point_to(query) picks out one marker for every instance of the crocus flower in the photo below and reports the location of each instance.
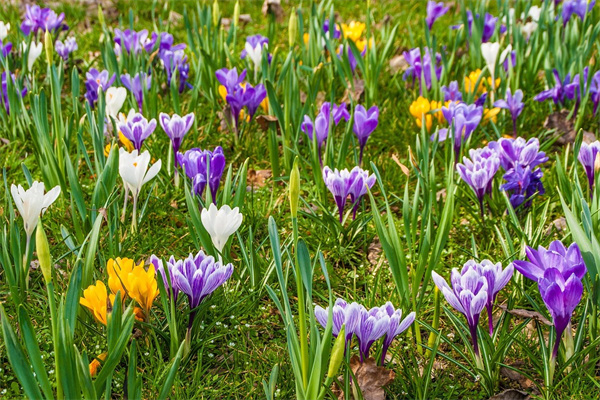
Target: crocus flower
(221, 223)
(94, 81)
(344, 314)
(562, 91)
(44, 19)
(160, 268)
(137, 85)
(354, 30)
(320, 127)
(230, 79)
(588, 157)
(5, 48)
(373, 325)
(143, 287)
(479, 171)
(130, 40)
(452, 92)
(424, 110)
(558, 272)
(32, 203)
(176, 128)
(115, 97)
(496, 278)
(4, 28)
(489, 25)
(253, 97)
(577, 7)
(463, 120)
(4, 94)
(396, 326)
(523, 183)
(96, 299)
(66, 48)
(176, 62)
(253, 49)
(33, 52)
(203, 167)
(595, 91)
(345, 183)
(434, 11)
(514, 104)
(420, 66)
(327, 30)
(490, 51)
(510, 61)
(519, 151)
(198, 277)
(133, 168)
(468, 295)
(365, 123)
(119, 270)
(137, 129)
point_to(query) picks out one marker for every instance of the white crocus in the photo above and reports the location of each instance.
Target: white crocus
(134, 171)
(490, 51)
(255, 54)
(32, 203)
(115, 97)
(535, 12)
(221, 224)
(4, 28)
(35, 50)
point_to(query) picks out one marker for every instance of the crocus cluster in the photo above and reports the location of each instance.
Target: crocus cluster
(239, 95)
(428, 111)
(203, 167)
(44, 19)
(64, 49)
(129, 40)
(367, 325)
(346, 183)
(588, 157)
(320, 126)
(195, 276)
(478, 171)
(520, 160)
(172, 57)
(558, 272)
(420, 66)
(474, 288)
(137, 85)
(96, 80)
(463, 119)
(452, 92)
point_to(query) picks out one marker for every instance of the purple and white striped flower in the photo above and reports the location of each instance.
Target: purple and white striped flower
(479, 172)
(137, 129)
(365, 122)
(588, 157)
(137, 85)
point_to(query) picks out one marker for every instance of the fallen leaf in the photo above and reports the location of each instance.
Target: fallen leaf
(371, 378)
(403, 167)
(258, 178)
(513, 375)
(527, 314)
(398, 64)
(511, 394)
(354, 91)
(265, 120)
(273, 7)
(374, 251)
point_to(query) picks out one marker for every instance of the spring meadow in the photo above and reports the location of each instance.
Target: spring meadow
(303, 199)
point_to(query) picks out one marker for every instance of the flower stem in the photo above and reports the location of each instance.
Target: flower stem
(134, 214)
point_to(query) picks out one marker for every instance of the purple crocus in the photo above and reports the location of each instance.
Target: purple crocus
(176, 128)
(595, 91)
(434, 11)
(452, 92)
(588, 156)
(176, 66)
(479, 172)
(577, 7)
(198, 277)
(230, 79)
(497, 278)
(136, 85)
(558, 272)
(5, 49)
(373, 325)
(463, 120)
(343, 314)
(252, 97)
(396, 326)
(320, 126)
(95, 81)
(365, 123)
(514, 104)
(203, 167)
(563, 89)
(523, 183)
(4, 97)
(253, 49)
(327, 29)
(510, 61)
(160, 268)
(351, 59)
(44, 19)
(131, 41)
(346, 183)
(66, 48)
(513, 152)
(420, 66)
(489, 25)
(137, 129)
(468, 295)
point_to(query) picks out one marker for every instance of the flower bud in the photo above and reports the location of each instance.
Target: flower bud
(292, 29)
(215, 13)
(294, 188)
(236, 14)
(337, 353)
(100, 15)
(48, 46)
(43, 252)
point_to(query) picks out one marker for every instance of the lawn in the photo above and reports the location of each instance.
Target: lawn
(314, 200)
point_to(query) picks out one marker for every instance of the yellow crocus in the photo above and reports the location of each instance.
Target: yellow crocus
(354, 30)
(118, 274)
(95, 364)
(420, 108)
(490, 114)
(142, 286)
(306, 38)
(96, 298)
(471, 81)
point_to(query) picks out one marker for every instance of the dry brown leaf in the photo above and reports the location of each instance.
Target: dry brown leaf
(523, 381)
(265, 120)
(354, 92)
(374, 252)
(371, 378)
(511, 394)
(258, 178)
(273, 7)
(398, 64)
(403, 167)
(527, 314)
